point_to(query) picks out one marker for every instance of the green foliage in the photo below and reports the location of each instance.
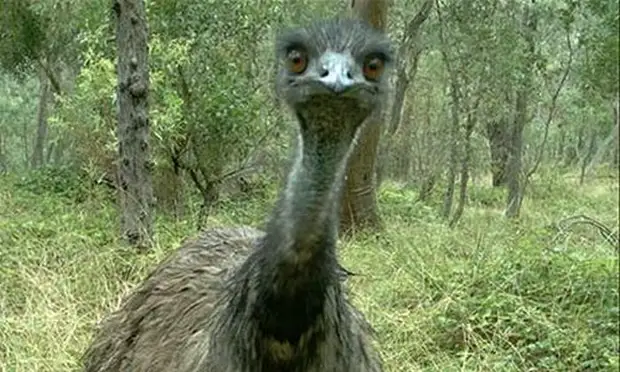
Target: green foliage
(51, 182)
(487, 197)
(600, 37)
(17, 108)
(22, 36)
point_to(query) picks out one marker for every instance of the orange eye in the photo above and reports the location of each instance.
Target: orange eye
(373, 68)
(297, 61)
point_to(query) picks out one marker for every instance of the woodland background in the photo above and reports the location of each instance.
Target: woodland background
(481, 215)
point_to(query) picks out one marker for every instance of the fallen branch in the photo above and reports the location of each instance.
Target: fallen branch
(610, 236)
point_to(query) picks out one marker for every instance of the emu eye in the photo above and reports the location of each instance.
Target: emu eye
(297, 61)
(373, 68)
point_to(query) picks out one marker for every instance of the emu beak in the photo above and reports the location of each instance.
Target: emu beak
(335, 72)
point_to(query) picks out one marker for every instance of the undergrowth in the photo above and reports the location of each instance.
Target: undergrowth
(489, 295)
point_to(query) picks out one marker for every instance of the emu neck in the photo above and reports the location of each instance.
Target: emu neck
(306, 219)
(298, 264)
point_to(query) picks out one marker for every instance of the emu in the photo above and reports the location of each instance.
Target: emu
(243, 300)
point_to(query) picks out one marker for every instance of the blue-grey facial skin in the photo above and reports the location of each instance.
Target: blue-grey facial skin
(335, 63)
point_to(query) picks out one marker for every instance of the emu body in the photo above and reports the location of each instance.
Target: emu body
(243, 300)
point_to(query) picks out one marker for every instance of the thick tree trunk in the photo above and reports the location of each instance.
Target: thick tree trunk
(499, 142)
(515, 157)
(359, 205)
(42, 116)
(135, 184)
(516, 186)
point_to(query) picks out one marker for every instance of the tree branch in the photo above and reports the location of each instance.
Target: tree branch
(552, 109)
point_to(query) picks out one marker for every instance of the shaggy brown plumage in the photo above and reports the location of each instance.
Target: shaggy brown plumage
(243, 300)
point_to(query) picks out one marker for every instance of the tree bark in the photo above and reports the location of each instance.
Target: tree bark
(405, 73)
(454, 134)
(467, 151)
(135, 183)
(587, 157)
(616, 114)
(359, 204)
(3, 158)
(515, 158)
(42, 116)
(498, 137)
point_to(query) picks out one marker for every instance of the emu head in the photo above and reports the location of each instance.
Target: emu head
(333, 74)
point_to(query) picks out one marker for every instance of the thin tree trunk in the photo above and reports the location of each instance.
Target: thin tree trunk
(26, 144)
(601, 150)
(405, 73)
(42, 115)
(3, 157)
(467, 152)
(428, 178)
(448, 197)
(178, 190)
(615, 160)
(136, 189)
(587, 158)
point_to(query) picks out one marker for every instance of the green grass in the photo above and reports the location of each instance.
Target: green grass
(490, 295)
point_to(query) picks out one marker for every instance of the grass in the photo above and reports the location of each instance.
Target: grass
(490, 295)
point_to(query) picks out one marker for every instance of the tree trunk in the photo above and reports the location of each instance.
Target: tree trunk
(359, 204)
(571, 152)
(498, 137)
(25, 137)
(448, 197)
(601, 150)
(3, 158)
(467, 150)
(178, 187)
(616, 152)
(516, 187)
(42, 115)
(587, 157)
(515, 157)
(561, 144)
(405, 73)
(136, 189)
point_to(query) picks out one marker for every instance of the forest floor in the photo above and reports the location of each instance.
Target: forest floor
(489, 295)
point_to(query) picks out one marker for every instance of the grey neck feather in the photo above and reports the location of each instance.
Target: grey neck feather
(306, 220)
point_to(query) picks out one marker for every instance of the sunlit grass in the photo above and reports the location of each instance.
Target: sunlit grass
(490, 295)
